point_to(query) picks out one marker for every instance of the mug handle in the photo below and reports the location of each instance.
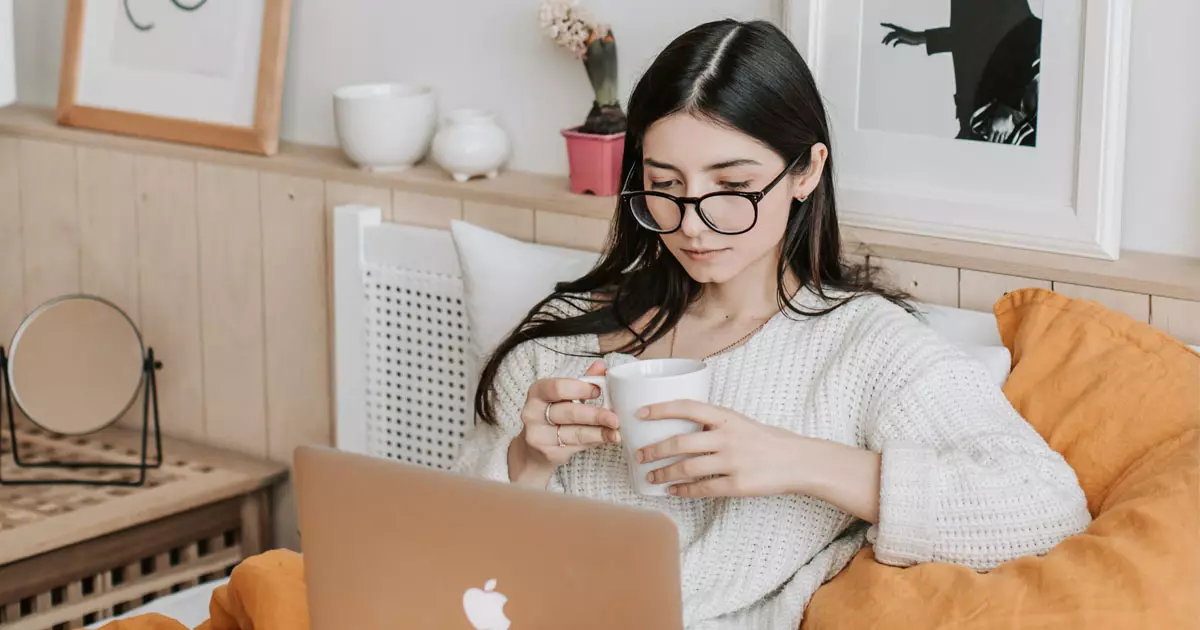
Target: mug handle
(602, 383)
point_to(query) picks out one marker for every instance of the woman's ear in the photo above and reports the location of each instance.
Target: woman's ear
(804, 184)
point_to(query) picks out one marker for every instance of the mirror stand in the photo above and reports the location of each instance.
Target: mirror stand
(149, 407)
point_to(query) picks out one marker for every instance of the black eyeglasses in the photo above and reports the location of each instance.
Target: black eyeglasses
(726, 212)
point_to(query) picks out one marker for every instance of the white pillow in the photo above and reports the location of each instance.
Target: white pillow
(976, 333)
(504, 277)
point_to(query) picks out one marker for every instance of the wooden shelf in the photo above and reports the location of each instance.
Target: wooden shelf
(512, 188)
(1157, 274)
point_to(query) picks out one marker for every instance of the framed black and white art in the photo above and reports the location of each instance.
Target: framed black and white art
(995, 121)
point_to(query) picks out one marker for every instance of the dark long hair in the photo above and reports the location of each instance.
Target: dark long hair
(744, 75)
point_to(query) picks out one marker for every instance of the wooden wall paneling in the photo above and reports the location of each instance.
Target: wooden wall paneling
(979, 290)
(231, 301)
(508, 220)
(169, 279)
(108, 235)
(108, 227)
(425, 210)
(929, 284)
(12, 250)
(49, 219)
(296, 303)
(566, 230)
(1178, 318)
(1135, 305)
(295, 300)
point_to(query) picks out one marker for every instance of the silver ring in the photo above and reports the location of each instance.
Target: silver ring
(548, 420)
(558, 434)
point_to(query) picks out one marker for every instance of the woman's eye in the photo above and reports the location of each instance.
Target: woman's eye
(663, 185)
(736, 185)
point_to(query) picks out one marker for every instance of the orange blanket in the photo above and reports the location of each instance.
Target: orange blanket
(265, 592)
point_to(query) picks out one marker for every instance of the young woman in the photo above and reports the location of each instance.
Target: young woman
(835, 414)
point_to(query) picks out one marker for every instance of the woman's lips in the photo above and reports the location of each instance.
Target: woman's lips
(702, 255)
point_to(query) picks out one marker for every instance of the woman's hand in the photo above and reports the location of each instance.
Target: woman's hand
(556, 427)
(735, 456)
(742, 457)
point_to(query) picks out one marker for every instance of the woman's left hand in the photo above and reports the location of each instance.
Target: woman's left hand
(743, 457)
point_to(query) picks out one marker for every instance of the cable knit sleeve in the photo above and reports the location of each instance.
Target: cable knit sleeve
(964, 479)
(484, 451)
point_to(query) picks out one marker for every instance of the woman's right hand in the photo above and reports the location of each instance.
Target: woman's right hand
(544, 445)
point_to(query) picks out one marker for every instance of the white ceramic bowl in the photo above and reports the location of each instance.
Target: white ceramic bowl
(385, 126)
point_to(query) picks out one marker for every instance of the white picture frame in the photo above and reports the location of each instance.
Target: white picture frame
(1062, 196)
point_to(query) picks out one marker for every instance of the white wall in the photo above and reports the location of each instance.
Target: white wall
(489, 53)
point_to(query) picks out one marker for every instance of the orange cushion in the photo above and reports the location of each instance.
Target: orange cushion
(1121, 401)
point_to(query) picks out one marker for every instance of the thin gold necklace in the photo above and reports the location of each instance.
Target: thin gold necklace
(675, 333)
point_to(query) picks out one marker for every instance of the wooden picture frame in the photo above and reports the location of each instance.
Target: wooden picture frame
(1063, 196)
(259, 136)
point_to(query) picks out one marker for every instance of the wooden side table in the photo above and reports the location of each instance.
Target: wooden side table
(71, 555)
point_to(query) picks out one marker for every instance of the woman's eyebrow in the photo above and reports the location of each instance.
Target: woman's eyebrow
(711, 167)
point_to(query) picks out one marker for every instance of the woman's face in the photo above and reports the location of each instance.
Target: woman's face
(686, 156)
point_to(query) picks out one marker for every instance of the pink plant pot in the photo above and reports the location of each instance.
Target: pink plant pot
(595, 162)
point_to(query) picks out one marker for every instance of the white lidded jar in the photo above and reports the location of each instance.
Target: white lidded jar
(470, 143)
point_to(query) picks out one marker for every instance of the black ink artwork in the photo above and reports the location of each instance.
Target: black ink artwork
(996, 47)
(149, 25)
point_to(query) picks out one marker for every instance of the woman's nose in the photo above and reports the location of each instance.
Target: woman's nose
(692, 225)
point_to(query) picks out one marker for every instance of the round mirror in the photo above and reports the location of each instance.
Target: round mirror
(75, 365)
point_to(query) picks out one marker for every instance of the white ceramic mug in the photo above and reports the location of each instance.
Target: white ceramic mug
(631, 386)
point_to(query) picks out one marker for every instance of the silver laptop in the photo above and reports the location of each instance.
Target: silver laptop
(391, 546)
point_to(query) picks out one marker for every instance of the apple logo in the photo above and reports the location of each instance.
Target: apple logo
(485, 608)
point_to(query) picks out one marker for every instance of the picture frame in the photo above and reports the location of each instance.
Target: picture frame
(1062, 195)
(149, 69)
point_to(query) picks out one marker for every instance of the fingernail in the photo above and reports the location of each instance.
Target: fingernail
(641, 457)
(595, 391)
(650, 477)
(673, 490)
(643, 412)
(616, 437)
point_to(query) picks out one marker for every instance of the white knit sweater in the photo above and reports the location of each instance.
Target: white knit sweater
(964, 478)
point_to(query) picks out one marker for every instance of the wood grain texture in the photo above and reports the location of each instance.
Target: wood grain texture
(929, 284)
(979, 290)
(425, 210)
(231, 300)
(296, 300)
(108, 227)
(169, 276)
(507, 220)
(564, 230)
(12, 248)
(50, 220)
(1134, 305)
(1178, 318)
